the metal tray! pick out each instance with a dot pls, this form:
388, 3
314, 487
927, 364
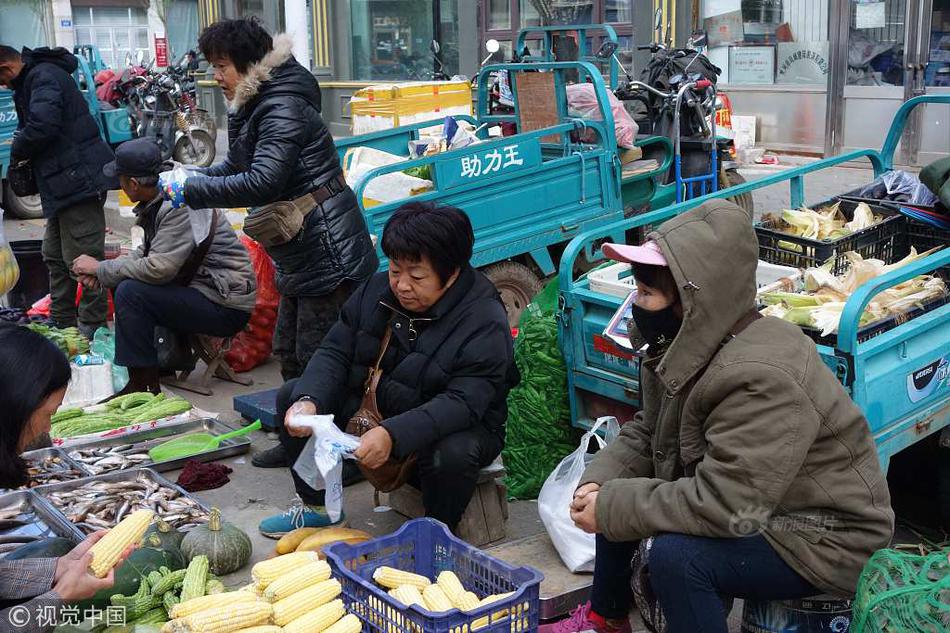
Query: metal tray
121, 475
44, 521
153, 437
42, 453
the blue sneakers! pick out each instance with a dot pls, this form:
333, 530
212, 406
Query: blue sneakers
299, 515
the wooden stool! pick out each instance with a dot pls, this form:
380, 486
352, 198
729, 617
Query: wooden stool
211, 350
486, 514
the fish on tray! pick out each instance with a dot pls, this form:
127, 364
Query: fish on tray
101, 505
108, 459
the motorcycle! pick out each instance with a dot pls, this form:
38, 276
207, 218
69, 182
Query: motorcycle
676, 97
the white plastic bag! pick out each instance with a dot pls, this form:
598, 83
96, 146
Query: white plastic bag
320, 463
575, 546
9, 270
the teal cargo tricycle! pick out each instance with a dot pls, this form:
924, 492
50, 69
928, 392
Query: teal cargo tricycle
898, 375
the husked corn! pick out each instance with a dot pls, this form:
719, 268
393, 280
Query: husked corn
204, 603
291, 608
436, 600
317, 620
297, 580
107, 550
265, 628
235, 617
392, 578
347, 624
267, 571
408, 595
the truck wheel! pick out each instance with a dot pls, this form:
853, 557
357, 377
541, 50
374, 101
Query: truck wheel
744, 200
517, 284
198, 150
24, 208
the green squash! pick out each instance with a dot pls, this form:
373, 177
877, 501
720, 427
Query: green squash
227, 547
169, 536
137, 566
45, 548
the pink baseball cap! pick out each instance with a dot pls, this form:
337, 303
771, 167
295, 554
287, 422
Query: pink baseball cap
649, 253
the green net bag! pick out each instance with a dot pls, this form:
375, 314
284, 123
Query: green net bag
904, 591
539, 433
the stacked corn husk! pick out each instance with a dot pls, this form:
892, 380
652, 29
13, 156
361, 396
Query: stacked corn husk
824, 224
824, 296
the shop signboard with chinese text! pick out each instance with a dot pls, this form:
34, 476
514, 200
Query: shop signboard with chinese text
481, 164
802, 63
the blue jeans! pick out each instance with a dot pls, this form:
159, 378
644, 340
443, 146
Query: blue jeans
691, 575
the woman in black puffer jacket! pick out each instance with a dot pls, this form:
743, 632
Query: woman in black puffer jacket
279, 149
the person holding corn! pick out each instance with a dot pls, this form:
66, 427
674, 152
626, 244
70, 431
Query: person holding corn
34, 374
748, 473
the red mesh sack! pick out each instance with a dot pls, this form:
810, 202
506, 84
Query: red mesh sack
252, 346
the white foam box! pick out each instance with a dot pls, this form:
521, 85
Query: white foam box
616, 280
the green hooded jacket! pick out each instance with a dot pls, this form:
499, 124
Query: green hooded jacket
743, 434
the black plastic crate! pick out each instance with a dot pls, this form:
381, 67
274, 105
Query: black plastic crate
882, 241
871, 330
923, 237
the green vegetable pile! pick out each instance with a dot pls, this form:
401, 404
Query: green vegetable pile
539, 433
132, 408
70, 340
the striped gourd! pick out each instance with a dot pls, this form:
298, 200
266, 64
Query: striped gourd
169, 582
109, 549
317, 620
296, 580
189, 607
169, 600
196, 577
154, 616
214, 586
291, 608
267, 571
231, 618
170, 407
392, 578
137, 604
436, 600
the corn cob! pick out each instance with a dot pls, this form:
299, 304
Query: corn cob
233, 618
348, 624
482, 622
109, 549
327, 536
296, 580
169, 600
167, 583
455, 591
316, 620
267, 571
289, 609
196, 577
392, 578
264, 628
213, 587
408, 595
436, 600
190, 607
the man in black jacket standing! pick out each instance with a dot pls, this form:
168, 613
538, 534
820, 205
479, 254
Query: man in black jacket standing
61, 140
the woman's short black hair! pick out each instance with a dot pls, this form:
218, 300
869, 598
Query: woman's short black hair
659, 278
31, 368
442, 234
244, 41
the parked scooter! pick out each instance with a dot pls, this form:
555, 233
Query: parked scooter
676, 97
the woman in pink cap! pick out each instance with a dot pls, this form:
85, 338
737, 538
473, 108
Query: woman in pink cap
748, 473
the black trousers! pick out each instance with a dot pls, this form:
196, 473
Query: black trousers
139, 307
302, 322
446, 472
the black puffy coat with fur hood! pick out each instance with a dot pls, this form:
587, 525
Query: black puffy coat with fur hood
279, 148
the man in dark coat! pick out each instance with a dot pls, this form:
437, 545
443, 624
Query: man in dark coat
61, 140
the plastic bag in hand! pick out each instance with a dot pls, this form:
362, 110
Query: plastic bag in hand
172, 185
320, 463
575, 546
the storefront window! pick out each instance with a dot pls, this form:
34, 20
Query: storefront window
392, 39
937, 72
529, 14
271, 14
499, 15
618, 11
876, 45
767, 42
